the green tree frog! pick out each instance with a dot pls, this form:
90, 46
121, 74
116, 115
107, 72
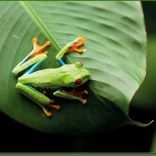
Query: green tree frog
64, 81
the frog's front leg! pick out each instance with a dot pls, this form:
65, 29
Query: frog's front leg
38, 97
75, 46
73, 94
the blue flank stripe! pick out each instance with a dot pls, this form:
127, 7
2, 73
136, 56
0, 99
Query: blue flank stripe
61, 62
33, 68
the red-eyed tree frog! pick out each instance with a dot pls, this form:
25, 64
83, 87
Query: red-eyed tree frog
63, 81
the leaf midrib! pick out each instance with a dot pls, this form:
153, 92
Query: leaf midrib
39, 22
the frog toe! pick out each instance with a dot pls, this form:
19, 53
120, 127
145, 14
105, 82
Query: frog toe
47, 113
83, 101
54, 106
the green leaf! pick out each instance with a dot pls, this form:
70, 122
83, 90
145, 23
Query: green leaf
145, 98
153, 144
116, 58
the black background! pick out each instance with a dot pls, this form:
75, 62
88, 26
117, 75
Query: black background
15, 137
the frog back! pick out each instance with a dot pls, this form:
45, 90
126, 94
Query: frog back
52, 77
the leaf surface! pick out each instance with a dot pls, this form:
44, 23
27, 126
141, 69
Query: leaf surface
115, 57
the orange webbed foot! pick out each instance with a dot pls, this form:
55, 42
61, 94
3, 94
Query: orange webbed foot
78, 45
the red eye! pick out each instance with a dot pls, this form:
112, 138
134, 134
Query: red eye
78, 81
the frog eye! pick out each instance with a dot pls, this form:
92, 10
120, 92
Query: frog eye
78, 82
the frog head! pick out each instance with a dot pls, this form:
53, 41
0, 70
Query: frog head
75, 74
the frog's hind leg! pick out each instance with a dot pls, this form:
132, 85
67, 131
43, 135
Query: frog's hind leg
39, 98
34, 58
